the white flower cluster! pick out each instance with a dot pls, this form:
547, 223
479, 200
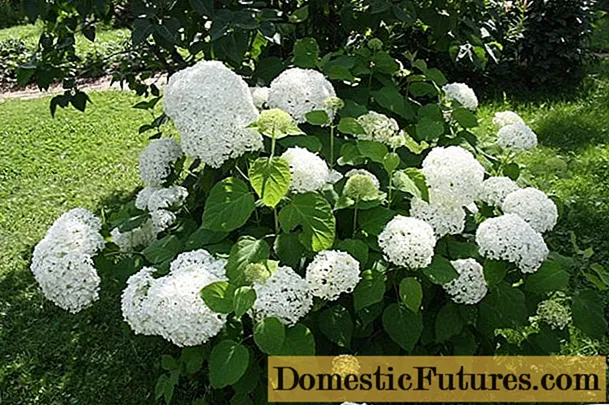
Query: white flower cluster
170, 306
509, 237
470, 287
453, 175
300, 91
62, 262
157, 160
332, 273
461, 93
495, 189
408, 242
533, 206
260, 97
554, 313
445, 219
378, 127
136, 238
503, 118
160, 198
212, 108
516, 136
284, 295
309, 171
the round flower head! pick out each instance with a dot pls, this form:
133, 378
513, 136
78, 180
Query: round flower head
470, 287
134, 299
554, 313
453, 175
361, 185
156, 198
510, 238
516, 136
533, 206
260, 97
212, 107
299, 91
275, 121
309, 171
444, 218
461, 93
495, 189
408, 242
284, 295
334, 103
345, 364
162, 220
378, 127
157, 159
501, 119
134, 239
62, 262
331, 273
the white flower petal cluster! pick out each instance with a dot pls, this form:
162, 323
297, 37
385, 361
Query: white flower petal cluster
260, 96
533, 206
62, 262
300, 91
495, 189
170, 306
461, 93
509, 237
284, 295
157, 159
517, 137
332, 273
139, 237
453, 175
554, 313
408, 242
378, 127
503, 118
156, 198
211, 107
309, 171
470, 287
445, 219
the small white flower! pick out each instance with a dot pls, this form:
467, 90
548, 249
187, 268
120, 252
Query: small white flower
332, 273
156, 161
501, 119
470, 287
495, 189
533, 206
309, 171
408, 242
444, 218
378, 127
461, 93
136, 238
517, 137
156, 198
260, 96
554, 313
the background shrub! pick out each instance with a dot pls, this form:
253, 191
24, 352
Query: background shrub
10, 13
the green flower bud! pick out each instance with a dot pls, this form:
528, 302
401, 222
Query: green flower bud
334, 103
361, 185
257, 272
277, 122
554, 313
375, 44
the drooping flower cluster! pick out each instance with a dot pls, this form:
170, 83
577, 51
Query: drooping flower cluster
554, 313
408, 242
157, 159
309, 171
516, 136
62, 262
470, 287
533, 206
361, 185
495, 189
211, 107
445, 219
378, 127
509, 237
170, 306
284, 295
461, 93
332, 273
503, 118
300, 91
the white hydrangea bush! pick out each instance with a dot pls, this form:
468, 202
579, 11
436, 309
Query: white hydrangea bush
291, 221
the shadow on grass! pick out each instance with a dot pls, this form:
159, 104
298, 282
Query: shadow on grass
572, 130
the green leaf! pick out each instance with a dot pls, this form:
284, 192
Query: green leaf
337, 325
602, 273
494, 272
202, 237
310, 142
402, 325
372, 150
440, 271
375, 220
299, 341
299, 15
227, 363
429, 129
350, 126
589, 314
550, 277
193, 358
503, 307
356, 248
465, 344
247, 250
218, 296
411, 293
163, 249
436, 76
169, 363
314, 214
391, 99
288, 249
405, 184
306, 53
243, 300
391, 161
270, 179
204, 7
369, 290
448, 322
465, 117
317, 117
229, 205
418, 177
269, 335
384, 63
421, 89
512, 170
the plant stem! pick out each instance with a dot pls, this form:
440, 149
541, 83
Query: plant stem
390, 189
331, 146
276, 221
355, 220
